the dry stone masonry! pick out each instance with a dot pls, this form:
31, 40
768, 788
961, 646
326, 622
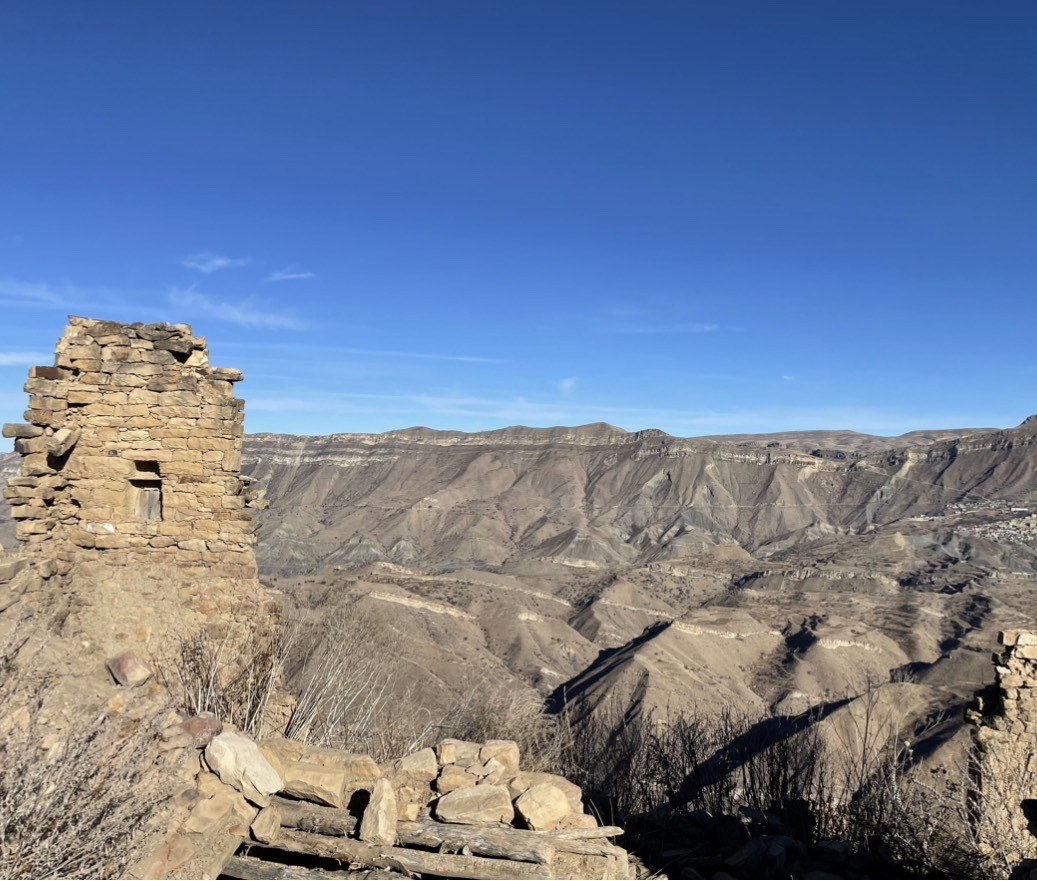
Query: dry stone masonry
268, 810
130, 502
1004, 760
132, 453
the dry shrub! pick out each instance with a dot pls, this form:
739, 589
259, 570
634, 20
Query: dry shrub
82, 808
865, 791
496, 712
344, 666
232, 679
343, 685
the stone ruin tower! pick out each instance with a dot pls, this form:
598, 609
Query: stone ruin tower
130, 480
1004, 759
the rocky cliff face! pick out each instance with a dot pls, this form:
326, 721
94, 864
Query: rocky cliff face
596, 495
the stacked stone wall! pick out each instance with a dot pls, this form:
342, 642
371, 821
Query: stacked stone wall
131, 454
1004, 760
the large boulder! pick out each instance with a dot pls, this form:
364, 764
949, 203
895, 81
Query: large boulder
324, 785
452, 751
477, 805
543, 807
523, 781
378, 825
418, 766
453, 777
237, 761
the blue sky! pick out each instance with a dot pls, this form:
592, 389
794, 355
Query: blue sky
706, 217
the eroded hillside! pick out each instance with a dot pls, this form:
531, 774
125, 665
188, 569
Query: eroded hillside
598, 496
649, 572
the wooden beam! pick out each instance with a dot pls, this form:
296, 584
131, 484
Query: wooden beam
414, 861
255, 869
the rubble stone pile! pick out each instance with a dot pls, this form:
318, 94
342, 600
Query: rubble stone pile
462, 810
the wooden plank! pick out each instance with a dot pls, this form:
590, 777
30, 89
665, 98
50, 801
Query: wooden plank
401, 859
578, 834
503, 843
255, 869
313, 818
511, 844
479, 840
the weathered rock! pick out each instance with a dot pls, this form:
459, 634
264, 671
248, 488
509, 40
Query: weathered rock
21, 430
420, 765
523, 781
266, 825
315, 783
543, 806
202, 729
378, 825
62, 441
457, 752
128, 669
353, 764
11, 566
452, 777
504, 751
579, 821
476, 805
169, 856
238, 762
491, 771
212, 811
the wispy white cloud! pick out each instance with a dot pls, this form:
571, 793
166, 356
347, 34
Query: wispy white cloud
290, 273
24, 359
207, 262
248, 313
43, 295
568, 385
787, 377
33, 293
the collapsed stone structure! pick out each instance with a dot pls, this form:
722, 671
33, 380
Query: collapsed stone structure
136, 538
461, 810
132, 453
130, 484
1004, 760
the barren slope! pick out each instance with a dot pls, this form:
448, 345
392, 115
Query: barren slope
597, 496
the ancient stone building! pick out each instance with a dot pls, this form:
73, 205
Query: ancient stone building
1004, 760
130, 479
132, 451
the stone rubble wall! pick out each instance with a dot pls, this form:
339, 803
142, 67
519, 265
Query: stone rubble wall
1004, 759
131, 454
461, 810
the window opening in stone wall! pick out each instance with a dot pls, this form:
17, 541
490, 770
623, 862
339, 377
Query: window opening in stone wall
146, 491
